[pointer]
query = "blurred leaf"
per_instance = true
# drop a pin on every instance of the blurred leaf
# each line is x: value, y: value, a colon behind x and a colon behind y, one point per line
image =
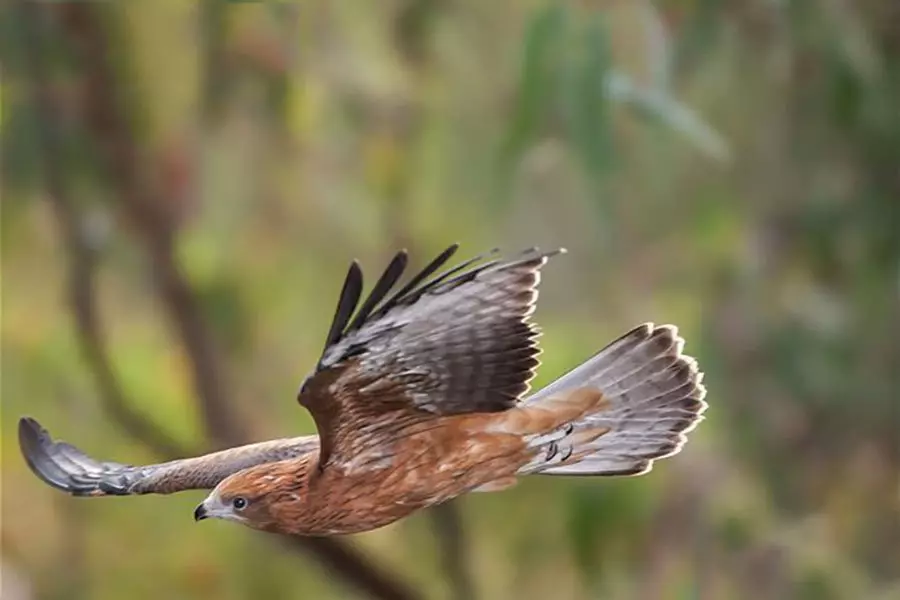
x: 657, y: 105
x: 541, y: 62
x: 847, y: 89
x: 604, y: 522
x: 688, y: 591
x: 584, y: 103
x: 736, y: 532
x: 699, y: 32
x: 20, y: 158
x: 816, y: 584
x: 217, y: 72
x: 224, y: 306
x: 659, y: 54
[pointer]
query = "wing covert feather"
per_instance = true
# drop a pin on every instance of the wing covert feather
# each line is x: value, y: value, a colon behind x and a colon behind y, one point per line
x: 459, y: 343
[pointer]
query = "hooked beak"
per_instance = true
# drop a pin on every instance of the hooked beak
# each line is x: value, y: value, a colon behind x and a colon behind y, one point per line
x: 200, y: 512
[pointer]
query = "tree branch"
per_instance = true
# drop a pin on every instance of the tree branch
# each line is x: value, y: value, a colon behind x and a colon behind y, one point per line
x: 449, y: 529
x: 108, y: 122
x: 105, y: 118
x: 81, y: 256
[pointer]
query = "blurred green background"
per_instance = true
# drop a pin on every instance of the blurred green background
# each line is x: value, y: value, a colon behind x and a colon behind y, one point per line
x: 184, y: 184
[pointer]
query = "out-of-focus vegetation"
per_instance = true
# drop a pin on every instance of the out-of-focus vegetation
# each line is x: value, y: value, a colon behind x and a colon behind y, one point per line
x: 731, y: 167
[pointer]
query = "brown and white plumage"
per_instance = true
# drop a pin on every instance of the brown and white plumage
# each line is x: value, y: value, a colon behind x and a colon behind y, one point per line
x: 418, y: 397
x: 458, y: 344
x: 653, y: 397
x: 67, y: 468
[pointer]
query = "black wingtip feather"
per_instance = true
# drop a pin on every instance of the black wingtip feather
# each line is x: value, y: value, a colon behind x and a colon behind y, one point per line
x: 424, y: 274
x: 414, y: 289
x: 63, y: 466
x: 387, y: 280
x: 455, y: 276
x: 352, y: 291
x: 34, y: 443
x: 347, y: 302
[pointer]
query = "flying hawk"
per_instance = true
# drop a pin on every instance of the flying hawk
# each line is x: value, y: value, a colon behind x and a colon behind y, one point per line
x: 421, y: 395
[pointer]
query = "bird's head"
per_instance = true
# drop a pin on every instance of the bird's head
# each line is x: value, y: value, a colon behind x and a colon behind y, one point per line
x: 250, y: 496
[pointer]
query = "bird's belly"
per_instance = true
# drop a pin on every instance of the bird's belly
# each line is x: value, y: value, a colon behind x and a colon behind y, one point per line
x: 354, y: 503
x: 419, y: 474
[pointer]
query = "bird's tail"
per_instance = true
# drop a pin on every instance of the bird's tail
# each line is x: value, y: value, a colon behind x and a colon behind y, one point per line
x: 628, y: 405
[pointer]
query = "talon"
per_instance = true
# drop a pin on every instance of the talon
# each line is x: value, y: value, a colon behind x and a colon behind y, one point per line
x: 552, y: 449
x: 112, y: 489
x: 568, y: 454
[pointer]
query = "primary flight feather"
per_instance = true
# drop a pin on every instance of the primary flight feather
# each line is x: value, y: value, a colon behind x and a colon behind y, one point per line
x: 421, y: 396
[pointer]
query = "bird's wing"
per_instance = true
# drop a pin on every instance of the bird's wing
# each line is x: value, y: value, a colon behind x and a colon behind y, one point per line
x: 67, y: 468
x: 457, y: 342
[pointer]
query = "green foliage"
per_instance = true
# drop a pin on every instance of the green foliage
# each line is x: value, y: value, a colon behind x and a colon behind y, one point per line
x: 604, y: 526
x: 741, y: 165
x: 542, y: 63
x: 568, y: 84
x: 585, y: 107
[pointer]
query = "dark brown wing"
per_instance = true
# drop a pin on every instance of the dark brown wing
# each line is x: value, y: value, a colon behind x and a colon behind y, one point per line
x: 457, y: 343
x: 67, y: 468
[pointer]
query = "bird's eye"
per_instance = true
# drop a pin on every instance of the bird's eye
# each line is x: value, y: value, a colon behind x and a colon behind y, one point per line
x: 239, y: 503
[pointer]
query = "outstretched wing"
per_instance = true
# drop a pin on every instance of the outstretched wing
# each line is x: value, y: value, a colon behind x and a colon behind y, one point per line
x: 67, y: 468
x: 459, y: 342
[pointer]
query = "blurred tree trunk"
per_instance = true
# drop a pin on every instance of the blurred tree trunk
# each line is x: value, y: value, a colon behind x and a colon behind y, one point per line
x: 88, y: 28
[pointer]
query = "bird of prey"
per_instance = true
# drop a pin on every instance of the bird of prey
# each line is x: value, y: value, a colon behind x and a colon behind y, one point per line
x: 419, y: 396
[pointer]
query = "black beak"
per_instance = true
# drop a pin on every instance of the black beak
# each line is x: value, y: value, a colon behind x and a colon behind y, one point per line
x: 200, y: 513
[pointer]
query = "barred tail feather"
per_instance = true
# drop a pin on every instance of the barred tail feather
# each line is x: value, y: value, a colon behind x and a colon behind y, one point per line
x: 652, y: 397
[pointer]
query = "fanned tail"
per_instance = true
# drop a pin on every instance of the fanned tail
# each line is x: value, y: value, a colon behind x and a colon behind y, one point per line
x: 648, y: 397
